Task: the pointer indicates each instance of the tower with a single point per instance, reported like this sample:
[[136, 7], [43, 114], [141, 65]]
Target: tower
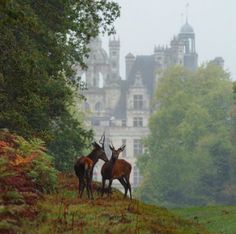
[[114, 58], [187, 38], [129, 61], [159, 53], [98, 65], [177, 50]]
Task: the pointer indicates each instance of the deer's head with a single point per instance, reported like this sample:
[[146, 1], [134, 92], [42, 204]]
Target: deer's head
[[115, 153], [99, 150]]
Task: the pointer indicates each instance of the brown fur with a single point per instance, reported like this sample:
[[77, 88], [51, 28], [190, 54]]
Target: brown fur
[[84, 169], [121, 169], [86, 161], [117, 169]]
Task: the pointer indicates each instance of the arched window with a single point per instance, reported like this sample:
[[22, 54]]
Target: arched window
[[98, 106], [190, 45], [101, 80]]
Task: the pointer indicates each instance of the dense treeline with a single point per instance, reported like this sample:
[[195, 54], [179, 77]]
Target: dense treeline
[[233, 139], [40, 41], [190, 157]]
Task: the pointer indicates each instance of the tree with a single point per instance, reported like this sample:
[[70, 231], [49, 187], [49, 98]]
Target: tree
[[189, 146], [40, 42], [230, 189]]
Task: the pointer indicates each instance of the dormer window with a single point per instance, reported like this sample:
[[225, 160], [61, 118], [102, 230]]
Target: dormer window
[[138, 122], [138, 102]]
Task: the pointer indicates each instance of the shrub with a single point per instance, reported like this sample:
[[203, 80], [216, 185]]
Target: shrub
[[26, 173]]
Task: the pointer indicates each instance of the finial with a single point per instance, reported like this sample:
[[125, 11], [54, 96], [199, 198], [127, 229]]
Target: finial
[[182, 18], [187, 6]]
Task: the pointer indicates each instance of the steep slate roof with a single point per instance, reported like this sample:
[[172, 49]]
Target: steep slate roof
[[129, 55], [120, 110], [146, 66]]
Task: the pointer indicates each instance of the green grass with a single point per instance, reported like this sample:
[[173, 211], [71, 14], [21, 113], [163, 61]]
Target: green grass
[[65, 213], [217, 219]]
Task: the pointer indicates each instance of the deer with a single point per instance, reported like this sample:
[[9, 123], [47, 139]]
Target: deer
[[116, 169], [84, 166]]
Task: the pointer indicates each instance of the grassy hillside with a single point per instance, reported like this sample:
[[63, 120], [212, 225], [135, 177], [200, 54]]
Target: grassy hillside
[[35, 199], [65, 213], [217, 219]]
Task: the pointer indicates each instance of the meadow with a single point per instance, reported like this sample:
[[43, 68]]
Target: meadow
[[217, 219]]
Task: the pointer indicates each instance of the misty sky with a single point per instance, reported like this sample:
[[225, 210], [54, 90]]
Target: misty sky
[[145, 23]]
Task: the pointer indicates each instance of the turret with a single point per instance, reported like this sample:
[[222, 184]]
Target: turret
[[187, 38], [177, 50], [129, 61], [159, 52], [114, 56]]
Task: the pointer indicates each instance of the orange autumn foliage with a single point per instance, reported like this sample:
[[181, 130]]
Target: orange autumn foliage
[[19, 190], [19, 160]]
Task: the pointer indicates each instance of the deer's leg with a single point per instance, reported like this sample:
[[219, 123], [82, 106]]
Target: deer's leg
[[103, 185], [81, 187], [91, 183], [109, 187], [90, 187], [87, 178], [124, 185], [129, 186], [87, 188]]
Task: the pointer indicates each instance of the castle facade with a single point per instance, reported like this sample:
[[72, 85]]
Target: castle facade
[[121, 107]]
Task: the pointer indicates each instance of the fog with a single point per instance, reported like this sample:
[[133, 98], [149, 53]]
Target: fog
[[144, 24]]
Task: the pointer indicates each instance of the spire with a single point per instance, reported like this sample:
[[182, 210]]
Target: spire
[[186, 8], [186, 28], [182, 18]]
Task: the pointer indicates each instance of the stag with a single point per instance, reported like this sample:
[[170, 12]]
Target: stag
[[84, 167], [116, 169]]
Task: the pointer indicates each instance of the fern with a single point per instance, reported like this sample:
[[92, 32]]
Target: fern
[[26, 171]]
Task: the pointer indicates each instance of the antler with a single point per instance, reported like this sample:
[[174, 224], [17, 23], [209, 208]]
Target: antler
[[122, 147], [112, 146], [102, 140]]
